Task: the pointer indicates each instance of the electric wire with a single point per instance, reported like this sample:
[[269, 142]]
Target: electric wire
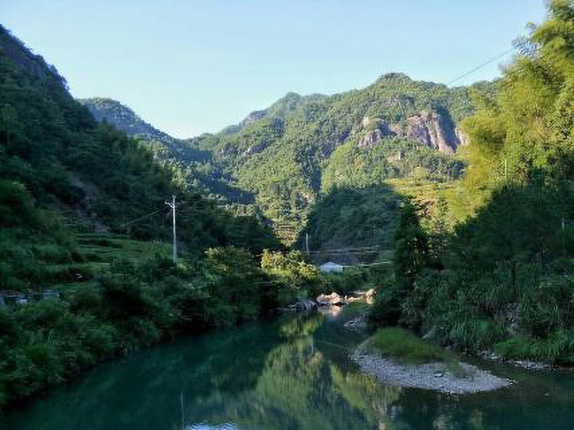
[[492, 60], [122, 226]]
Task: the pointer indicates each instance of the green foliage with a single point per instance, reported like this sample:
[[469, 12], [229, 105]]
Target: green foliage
[[290, 154], [236, 284], [410, 257], [67, 187], [411, 247], [137, 303], [60, 172], [558, 348], [365, 217], [355, 309], [353, 166], [351, 279], [504, 276], [297, 277]]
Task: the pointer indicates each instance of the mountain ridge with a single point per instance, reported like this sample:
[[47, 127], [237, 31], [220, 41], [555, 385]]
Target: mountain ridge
[[289, 154]]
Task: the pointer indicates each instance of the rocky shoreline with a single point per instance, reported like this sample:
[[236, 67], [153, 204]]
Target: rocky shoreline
[[467, 379]]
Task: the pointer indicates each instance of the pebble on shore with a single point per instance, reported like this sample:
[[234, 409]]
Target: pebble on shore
[[431, 376]]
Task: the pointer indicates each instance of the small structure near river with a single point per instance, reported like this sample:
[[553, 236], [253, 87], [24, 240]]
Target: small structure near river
[[331, 267]]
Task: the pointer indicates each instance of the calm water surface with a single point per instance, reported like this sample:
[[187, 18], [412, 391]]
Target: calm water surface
[[292, 373]]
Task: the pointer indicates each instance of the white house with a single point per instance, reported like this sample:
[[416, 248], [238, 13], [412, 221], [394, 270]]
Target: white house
[[331, 267]]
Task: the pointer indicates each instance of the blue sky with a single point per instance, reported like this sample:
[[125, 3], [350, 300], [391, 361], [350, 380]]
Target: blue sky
[[190, 66]]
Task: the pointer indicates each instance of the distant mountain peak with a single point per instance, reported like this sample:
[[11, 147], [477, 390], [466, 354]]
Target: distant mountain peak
[[282, 108], [124, 118], [394, 77]]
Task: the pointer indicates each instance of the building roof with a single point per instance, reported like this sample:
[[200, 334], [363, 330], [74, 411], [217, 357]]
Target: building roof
[[331, 264]]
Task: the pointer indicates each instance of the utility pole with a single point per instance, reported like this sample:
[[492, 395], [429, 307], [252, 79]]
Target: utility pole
[[172, 205], [307, 243], [182, 406], [563, 236]]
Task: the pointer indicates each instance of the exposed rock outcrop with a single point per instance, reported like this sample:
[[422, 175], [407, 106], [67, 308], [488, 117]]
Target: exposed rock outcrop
[[371, 138], [432, 129], [252, 118]]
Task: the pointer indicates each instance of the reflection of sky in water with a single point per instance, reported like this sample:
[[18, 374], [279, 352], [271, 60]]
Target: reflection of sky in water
[[204, 426], [331, 312]]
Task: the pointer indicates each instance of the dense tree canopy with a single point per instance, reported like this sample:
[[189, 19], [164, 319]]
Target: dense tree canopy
[[505, 282]]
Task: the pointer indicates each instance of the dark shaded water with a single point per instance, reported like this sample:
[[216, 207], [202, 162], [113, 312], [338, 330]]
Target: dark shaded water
[[288, 374]]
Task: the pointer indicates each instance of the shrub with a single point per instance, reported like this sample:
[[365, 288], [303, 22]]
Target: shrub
[[293, 275]]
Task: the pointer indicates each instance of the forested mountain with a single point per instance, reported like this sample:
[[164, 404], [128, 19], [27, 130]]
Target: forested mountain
[[395, 128], [197, 169], [282, 108], [288, 156], [85, 239], [122, 117], [58, 155], [481, 243]]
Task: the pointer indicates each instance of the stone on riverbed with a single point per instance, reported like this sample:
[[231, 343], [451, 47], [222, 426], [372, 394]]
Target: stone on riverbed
[[358, 323], [304, 305], [330, 299]]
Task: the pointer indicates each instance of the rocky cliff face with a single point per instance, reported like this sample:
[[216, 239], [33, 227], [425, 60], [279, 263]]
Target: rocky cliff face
[[432, 129], [252, 118]]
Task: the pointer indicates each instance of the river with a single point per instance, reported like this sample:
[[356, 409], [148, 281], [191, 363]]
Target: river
[[291, 373]]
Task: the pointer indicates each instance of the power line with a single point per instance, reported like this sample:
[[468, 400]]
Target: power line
[[492, 60], [140, 219], [357, 249], [315, 253], [370, 264]]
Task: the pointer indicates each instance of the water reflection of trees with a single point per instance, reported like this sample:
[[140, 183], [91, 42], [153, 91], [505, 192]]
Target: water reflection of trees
[[144, 391], [289, 374], [300, 389]]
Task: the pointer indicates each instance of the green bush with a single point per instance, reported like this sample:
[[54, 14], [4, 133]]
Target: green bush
[[351, 279], [294, 277], [387, 309]]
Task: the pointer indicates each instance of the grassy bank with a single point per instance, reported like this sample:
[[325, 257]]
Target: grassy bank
[[404, 346]]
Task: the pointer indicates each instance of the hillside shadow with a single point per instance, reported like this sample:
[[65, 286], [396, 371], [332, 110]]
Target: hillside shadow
[[352, 225]]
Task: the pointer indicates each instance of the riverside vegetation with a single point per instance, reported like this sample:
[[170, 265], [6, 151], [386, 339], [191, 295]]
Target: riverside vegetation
[[481, 239], [502, 280]]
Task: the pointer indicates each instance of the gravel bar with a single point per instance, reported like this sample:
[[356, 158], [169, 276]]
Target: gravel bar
[[431, 376]]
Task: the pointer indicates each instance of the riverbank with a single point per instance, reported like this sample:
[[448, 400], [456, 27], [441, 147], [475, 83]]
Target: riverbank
[[437, 376], [284, 373]]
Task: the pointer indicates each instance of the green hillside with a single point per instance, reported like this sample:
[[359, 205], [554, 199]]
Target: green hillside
[[279, 162], [85, 239], [196, 168], [397, 127]]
